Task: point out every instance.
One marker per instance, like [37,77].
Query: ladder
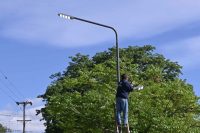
[117,128]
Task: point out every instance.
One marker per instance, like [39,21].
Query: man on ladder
[122,102]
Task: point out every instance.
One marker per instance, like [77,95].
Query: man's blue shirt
[123,89]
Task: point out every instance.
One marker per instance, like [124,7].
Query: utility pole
[24,113]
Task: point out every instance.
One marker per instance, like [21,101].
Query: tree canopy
[80,99]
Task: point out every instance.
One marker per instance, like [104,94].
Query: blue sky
[35,42]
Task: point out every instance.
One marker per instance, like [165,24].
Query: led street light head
[65,16]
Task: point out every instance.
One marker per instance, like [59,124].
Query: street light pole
[102,25]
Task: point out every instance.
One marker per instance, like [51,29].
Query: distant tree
[2,129]
[80,99]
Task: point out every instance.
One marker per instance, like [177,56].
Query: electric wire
[11,84]
[5,115]
[14,115]
[11,91]
[13,99]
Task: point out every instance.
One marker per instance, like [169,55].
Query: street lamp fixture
[65,16]
[62,15]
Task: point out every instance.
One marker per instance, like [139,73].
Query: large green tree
[80,99]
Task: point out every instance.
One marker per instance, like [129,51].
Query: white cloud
[186,52]
[37,21]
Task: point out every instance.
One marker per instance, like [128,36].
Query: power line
[15,115]
[16,122]
[5,115]
[11,84]
[13,99]
[11,91]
